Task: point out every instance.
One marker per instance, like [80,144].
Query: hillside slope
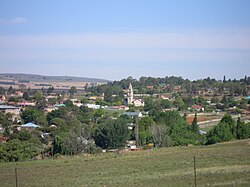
[226,164]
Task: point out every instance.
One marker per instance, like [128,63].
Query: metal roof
[3,107]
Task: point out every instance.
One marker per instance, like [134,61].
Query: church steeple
[130,94]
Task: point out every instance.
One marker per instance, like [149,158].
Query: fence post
[195,184]
[16,177]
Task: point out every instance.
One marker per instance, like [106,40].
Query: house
[24,104]
[121,107]
[93,106]
[59,105]
[197,108]
[3,139]
[10,109]
[3,99]
[138,102]
[166,96]
[29,126]
[18,93]
[201,132]
[132,114]
[150,87]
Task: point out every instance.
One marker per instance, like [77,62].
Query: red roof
[196,106]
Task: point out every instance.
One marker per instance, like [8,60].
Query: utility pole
[137,131]
[195,184]
[16,177]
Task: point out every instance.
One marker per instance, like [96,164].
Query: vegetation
[73,128]
[225,164]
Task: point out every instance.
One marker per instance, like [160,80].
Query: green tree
[220,133]
[242,130]
[72,91]
[68,103]
[11,90]
[26,96]
[52,101]
[4,122]
[112,134]
[144,130]
[227,119]
[194,125]
[30,114]
[2,91]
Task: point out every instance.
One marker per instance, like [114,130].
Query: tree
[59,122]
[144,130]
[11,90]
[220,133]
[16,150]
[26,95]
[40,100]
[2,91]
[68,103]
[5,123]
[112,134]
[242,130]
[227,119]
[50,90]
[52,101]
[72,91]
[194,125]
[159,134]
[30,114]
[76,141]
[22,87]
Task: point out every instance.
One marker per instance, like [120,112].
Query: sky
[115,39]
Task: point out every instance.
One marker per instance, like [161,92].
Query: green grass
[226,164]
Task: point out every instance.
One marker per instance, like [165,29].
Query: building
[130,98]
[132,114]
[138,102]
[10,109]
[29,126]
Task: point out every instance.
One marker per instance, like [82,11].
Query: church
[130,98]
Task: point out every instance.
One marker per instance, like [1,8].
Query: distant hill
[43,78]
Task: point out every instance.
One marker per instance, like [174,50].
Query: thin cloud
[16,20]
[234,40]
[179,46]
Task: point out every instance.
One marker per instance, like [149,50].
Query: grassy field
[226,164]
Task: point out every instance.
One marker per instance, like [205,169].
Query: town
[125,115]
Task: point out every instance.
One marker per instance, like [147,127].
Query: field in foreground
[226,164]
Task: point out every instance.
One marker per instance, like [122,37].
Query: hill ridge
[41,78]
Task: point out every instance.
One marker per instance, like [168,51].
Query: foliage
[31,114]
[225,131]
[112,134]
[194,125]
[17,150]
[159,134]
[220,133]
[242,130]
[76,141]
[144,130]
[72,91]
[179,131]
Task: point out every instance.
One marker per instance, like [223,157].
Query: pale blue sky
[114,39]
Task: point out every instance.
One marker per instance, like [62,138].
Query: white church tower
[130,98]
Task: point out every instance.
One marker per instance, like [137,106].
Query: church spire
[130,94]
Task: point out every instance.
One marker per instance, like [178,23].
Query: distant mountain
[43,78]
